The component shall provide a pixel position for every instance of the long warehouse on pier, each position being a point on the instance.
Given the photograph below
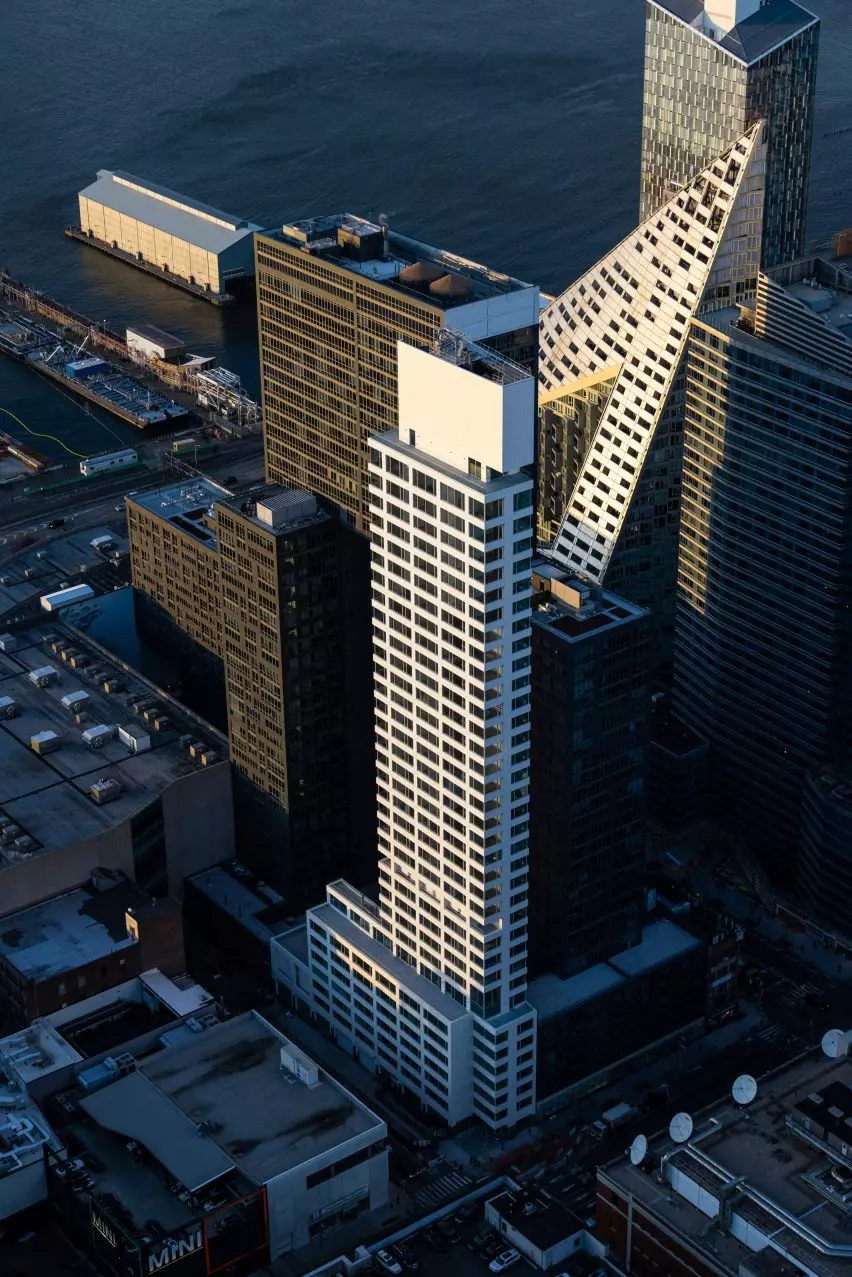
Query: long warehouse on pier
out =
(185, 242)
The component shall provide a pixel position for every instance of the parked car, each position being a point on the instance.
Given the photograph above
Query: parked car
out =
(56, 523)
(506, 1259)
(406, 1256)
(388, 1262)
(464, 1213)
(494, 1247)
(480, 1239)
(449, 1231)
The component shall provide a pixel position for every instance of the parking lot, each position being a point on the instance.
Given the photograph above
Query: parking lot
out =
(465, 1247)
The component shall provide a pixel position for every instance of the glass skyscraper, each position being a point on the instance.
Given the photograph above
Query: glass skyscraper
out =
(762, 665)
(707, 82)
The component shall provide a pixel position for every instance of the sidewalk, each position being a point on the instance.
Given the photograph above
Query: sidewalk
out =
(775, 931)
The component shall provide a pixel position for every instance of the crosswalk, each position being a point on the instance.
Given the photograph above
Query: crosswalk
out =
(454, 1184)
(777, 1032)
(795, 996)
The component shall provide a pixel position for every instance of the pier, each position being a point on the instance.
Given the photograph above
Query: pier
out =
(138, 263)
(213, 394)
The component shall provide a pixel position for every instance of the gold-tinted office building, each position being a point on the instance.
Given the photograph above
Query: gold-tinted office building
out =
(267, 588)
(567, 421)
(334, 296)
(174, 560)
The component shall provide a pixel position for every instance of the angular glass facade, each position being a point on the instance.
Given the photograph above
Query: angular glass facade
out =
(699, 96)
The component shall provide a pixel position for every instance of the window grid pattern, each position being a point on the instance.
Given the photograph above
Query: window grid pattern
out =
(629, 315)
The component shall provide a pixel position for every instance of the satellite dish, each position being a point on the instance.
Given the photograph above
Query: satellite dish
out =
(638, 1149)
(680, 1127)
(744, 1089)
(834, 1043)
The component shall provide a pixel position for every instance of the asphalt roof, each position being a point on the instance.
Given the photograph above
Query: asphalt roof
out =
(256, 1115)
(47, 796)
(134, 1107)
(755, 36)
(152, 204)
(68, 931)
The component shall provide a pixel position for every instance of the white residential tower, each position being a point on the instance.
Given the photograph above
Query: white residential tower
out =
(428, 985)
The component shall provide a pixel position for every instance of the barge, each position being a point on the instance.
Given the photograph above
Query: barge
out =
(102, 383)
(91, 377)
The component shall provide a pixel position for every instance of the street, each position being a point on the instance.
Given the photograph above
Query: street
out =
(102, 500)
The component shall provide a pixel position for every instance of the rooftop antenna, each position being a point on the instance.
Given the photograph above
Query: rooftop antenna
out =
(744, 1089)
(638, 1150)
(680, 1128)
(835, 1043)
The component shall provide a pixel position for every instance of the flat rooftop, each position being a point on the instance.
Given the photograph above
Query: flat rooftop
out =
(47, 796)
(543, 1221)
(834, 307)
(662, 942)
(279, 510)
(68, 931)
(187, 506)
(40, 569)
(775, 1172)
(238, 892)
(454, 348)
(598, 609)
(24, 1132)
(257, 1117)
(168, 211)
(403, 264)
(773, 24)
(35, 1052)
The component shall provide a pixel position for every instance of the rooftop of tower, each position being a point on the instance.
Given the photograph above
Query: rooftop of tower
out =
(751, 39)
(384, 256)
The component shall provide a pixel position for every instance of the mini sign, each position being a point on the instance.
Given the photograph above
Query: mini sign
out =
(102, 1227)
(173, 1249)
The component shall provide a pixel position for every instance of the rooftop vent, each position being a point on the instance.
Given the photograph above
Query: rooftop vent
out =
(451, 287)
(43, 676)
(299, 1065)
(287, 505)
(105, 790)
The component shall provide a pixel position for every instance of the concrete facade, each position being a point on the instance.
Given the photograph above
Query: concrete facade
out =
(428, 985)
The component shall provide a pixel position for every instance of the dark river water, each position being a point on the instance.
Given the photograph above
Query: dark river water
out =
(505, 130)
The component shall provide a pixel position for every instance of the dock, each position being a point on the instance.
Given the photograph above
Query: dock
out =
(92, 378)
(177, 281)
(214, 394)
(22, 452)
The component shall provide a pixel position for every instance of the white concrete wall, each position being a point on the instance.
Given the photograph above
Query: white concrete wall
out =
(456, 414)
(500, 314)
(21, 1189)
(291, 1204)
